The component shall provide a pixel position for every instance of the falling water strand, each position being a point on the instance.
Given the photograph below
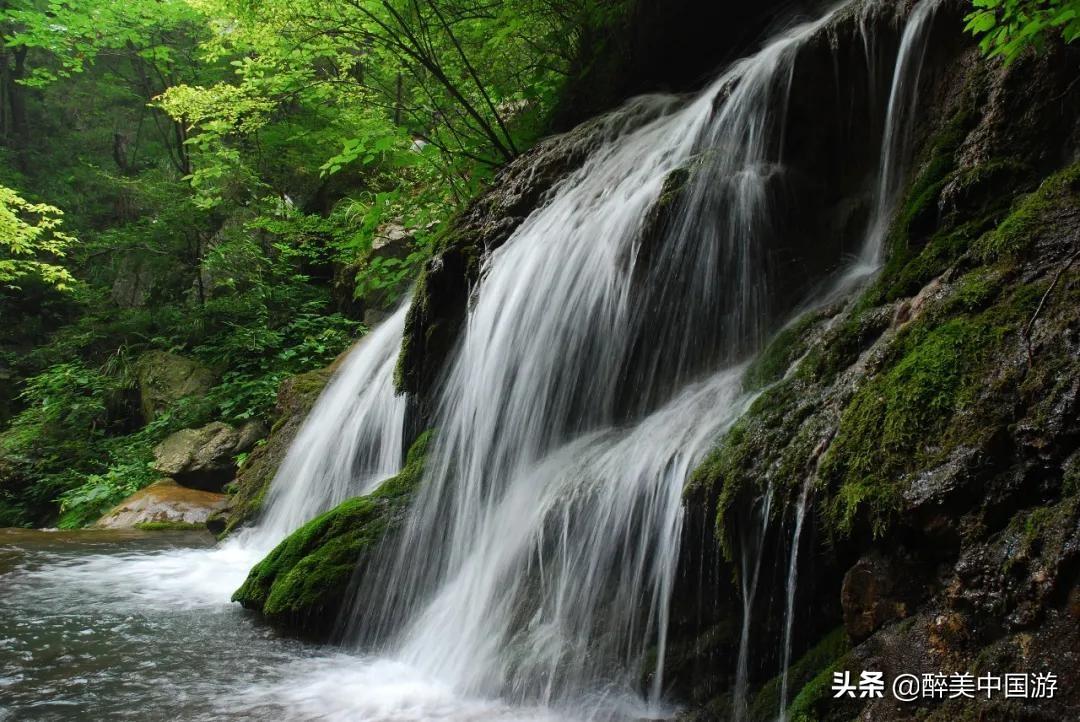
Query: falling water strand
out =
(752, 550)
(351, 440)
(789, 602)
(895, 154)
(896, 143)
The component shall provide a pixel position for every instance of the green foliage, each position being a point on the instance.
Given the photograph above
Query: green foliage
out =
(1007, 28)
(48, 446)
(245, 181)
(29, 231)
(75, 34)
(260, 358)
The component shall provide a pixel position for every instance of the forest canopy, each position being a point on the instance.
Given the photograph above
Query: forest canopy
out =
(251, 185)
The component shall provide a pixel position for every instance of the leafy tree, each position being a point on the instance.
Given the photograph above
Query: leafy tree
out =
(245, 179)
(1008, 27)
(28, 233)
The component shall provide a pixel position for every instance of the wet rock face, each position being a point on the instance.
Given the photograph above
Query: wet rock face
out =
(166, 377)
(879, 589)
(205, 458)
(937, 414)
(164, 505)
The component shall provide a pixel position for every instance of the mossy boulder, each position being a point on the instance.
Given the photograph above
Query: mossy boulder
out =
(167, 377)
(301, 585)
(205, 458)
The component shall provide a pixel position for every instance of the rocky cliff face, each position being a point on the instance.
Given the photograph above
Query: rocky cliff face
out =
(930, 423)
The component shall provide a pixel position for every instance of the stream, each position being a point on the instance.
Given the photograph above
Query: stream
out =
(138, 625)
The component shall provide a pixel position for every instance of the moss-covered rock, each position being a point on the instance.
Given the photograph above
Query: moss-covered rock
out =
(167, 377)
(934, 418)
(301, 585)
(205, 458)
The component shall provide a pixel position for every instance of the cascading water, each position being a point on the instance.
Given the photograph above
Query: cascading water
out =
(540, 553)
(751, 553)
(896, 142)
(789, 597)
(351, 440)
(349, 443)
(892, 171)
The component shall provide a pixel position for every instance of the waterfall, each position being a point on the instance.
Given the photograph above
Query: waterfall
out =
(351, 440)
(752, 550)
(597, 367)
(789, 596)
(600, 361)
(602, 358)
(896, 142)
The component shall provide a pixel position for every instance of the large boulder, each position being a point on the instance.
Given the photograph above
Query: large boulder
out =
(302, 584)
(164, 505)
(205, 458)
(166, 377)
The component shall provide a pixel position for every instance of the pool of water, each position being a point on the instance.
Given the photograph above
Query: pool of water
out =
(101, 625)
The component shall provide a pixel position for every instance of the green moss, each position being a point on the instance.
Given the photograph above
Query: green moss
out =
(1070, 480)
(821, 656)
(674, 183)
(815, 702)
(891, 422)
(169, 526)
(975, 290)
(842, 344)
(771, 443)
(1045, 530)
(302, 583)
(940, 253)
(1032, 216)
(920, 210)
(785, 348)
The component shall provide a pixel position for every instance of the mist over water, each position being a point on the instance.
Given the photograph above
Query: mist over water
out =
(601, 360)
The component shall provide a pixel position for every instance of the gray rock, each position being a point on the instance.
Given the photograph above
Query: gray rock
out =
(166, 377)
(205, 458)
(876, 590)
